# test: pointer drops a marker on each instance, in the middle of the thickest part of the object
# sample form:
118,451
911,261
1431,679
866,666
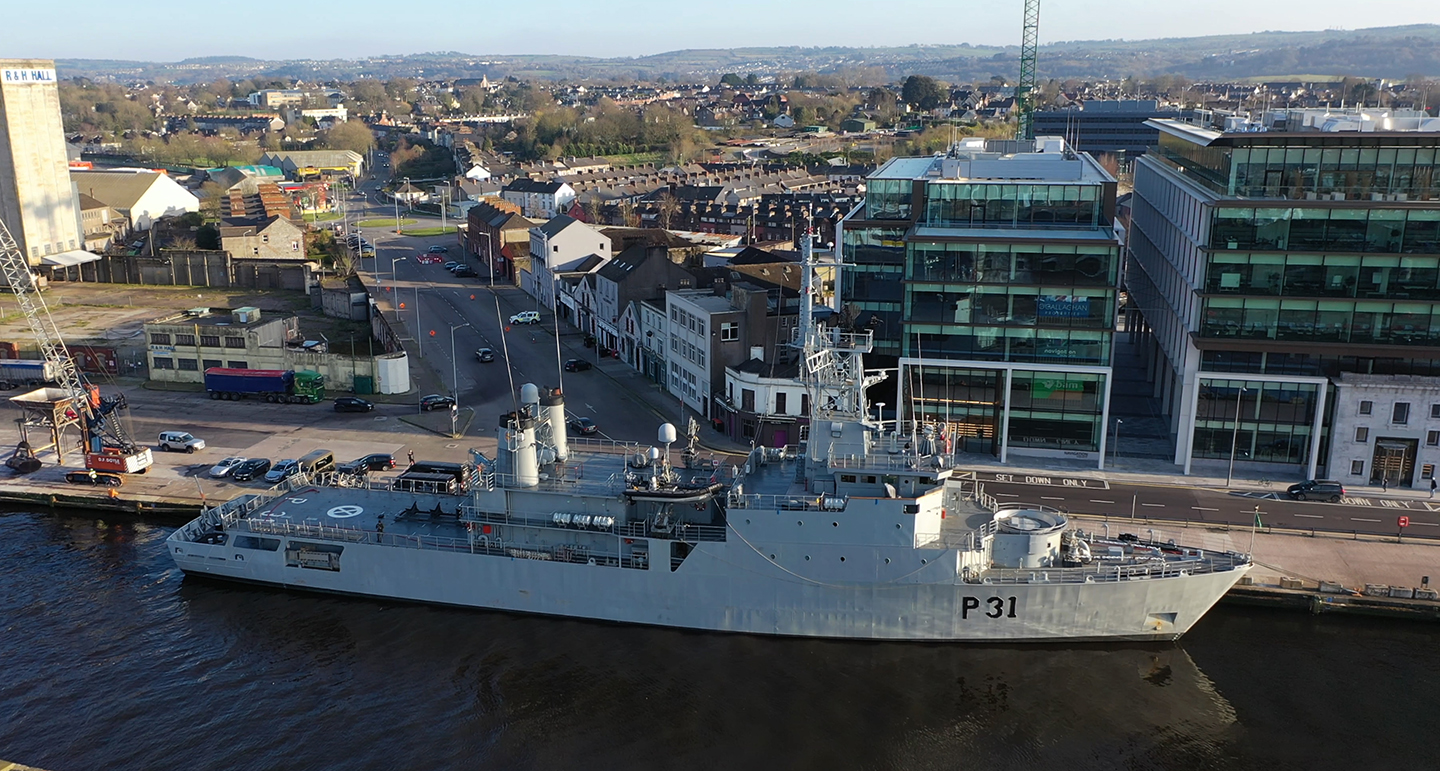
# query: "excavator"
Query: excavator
74,400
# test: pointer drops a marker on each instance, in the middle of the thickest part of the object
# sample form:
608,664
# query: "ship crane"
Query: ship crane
74,401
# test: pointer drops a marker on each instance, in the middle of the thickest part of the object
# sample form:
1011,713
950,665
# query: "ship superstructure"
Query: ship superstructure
848,536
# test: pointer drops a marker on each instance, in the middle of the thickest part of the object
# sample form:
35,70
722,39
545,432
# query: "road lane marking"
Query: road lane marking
1007,495
1362,519
1203,508
1307,516
1158,505
1427,524
1050,498
1096,500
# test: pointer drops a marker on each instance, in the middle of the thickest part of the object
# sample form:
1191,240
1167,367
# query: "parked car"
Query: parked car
485,355
526,317
180,441
464,271
1317,489
283,470
438,249
353,404
92,477
376,461
250,469
576,365
583,426
436,402
428,259
451,265
224,467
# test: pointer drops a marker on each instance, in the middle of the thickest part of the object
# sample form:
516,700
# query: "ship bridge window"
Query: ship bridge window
847,478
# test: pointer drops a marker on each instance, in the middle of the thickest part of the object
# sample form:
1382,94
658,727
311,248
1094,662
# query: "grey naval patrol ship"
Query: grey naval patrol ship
843,537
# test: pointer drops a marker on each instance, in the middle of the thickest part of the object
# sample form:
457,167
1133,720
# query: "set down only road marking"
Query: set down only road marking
1042,480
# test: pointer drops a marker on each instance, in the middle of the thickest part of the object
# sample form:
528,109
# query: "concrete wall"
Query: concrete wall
196,267
172,267
345,304
339,371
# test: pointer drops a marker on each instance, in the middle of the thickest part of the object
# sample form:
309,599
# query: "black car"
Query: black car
485,355
436,402
584,426
353,404
464,271
576,365
1317,489
250,469
375,461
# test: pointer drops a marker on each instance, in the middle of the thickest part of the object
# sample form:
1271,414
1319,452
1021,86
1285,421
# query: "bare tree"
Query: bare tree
628,216
669,207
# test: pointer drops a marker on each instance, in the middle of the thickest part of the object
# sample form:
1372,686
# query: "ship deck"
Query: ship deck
404,513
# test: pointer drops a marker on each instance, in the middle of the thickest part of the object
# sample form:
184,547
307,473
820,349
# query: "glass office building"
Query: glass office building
992,278
1268,259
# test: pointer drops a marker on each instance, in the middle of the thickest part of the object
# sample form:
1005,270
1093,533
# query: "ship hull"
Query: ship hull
725,587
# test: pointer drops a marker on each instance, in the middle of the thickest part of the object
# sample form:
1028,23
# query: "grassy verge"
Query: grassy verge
323,216
383,223
435,231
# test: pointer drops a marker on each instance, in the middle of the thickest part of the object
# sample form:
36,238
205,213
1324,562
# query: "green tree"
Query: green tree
922,91
731,79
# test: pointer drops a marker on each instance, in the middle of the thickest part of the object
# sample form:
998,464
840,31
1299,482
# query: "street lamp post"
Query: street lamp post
1115,448
1234,436
454,377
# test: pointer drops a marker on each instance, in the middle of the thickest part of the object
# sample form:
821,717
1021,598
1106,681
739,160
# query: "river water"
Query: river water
110,659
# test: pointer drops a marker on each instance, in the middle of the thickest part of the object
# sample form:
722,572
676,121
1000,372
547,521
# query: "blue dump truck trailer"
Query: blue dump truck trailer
15,373
272,385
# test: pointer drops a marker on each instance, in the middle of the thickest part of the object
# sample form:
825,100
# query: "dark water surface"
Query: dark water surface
110,659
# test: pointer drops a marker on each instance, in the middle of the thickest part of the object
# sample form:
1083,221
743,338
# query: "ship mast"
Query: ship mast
832,363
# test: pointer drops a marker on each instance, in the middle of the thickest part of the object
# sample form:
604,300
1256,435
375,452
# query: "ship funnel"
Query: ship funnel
524,454
552,406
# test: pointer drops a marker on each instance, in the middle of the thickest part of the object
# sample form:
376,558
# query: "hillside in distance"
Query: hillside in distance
1392,53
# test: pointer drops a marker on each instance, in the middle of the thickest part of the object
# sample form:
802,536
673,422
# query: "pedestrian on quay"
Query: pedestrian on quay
1433,485
412,457
1384,484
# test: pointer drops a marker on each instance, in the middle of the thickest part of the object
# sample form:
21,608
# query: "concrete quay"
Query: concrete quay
1314,572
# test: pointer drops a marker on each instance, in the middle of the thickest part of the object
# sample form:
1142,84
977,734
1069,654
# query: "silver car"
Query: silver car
224,467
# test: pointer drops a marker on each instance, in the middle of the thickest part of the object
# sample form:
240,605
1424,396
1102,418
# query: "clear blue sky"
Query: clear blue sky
169,30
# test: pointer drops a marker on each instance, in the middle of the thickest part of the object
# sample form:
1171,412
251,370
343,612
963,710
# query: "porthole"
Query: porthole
887,560
747,521
800,522
897,525
807,557
772,556
924,562
834,524
842,559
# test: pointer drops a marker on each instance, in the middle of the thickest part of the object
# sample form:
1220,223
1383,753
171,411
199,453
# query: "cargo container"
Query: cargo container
15,373
273,385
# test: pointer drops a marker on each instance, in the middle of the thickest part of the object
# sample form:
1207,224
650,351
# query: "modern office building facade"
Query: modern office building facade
37,202
1117,127
991,279
1269,268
